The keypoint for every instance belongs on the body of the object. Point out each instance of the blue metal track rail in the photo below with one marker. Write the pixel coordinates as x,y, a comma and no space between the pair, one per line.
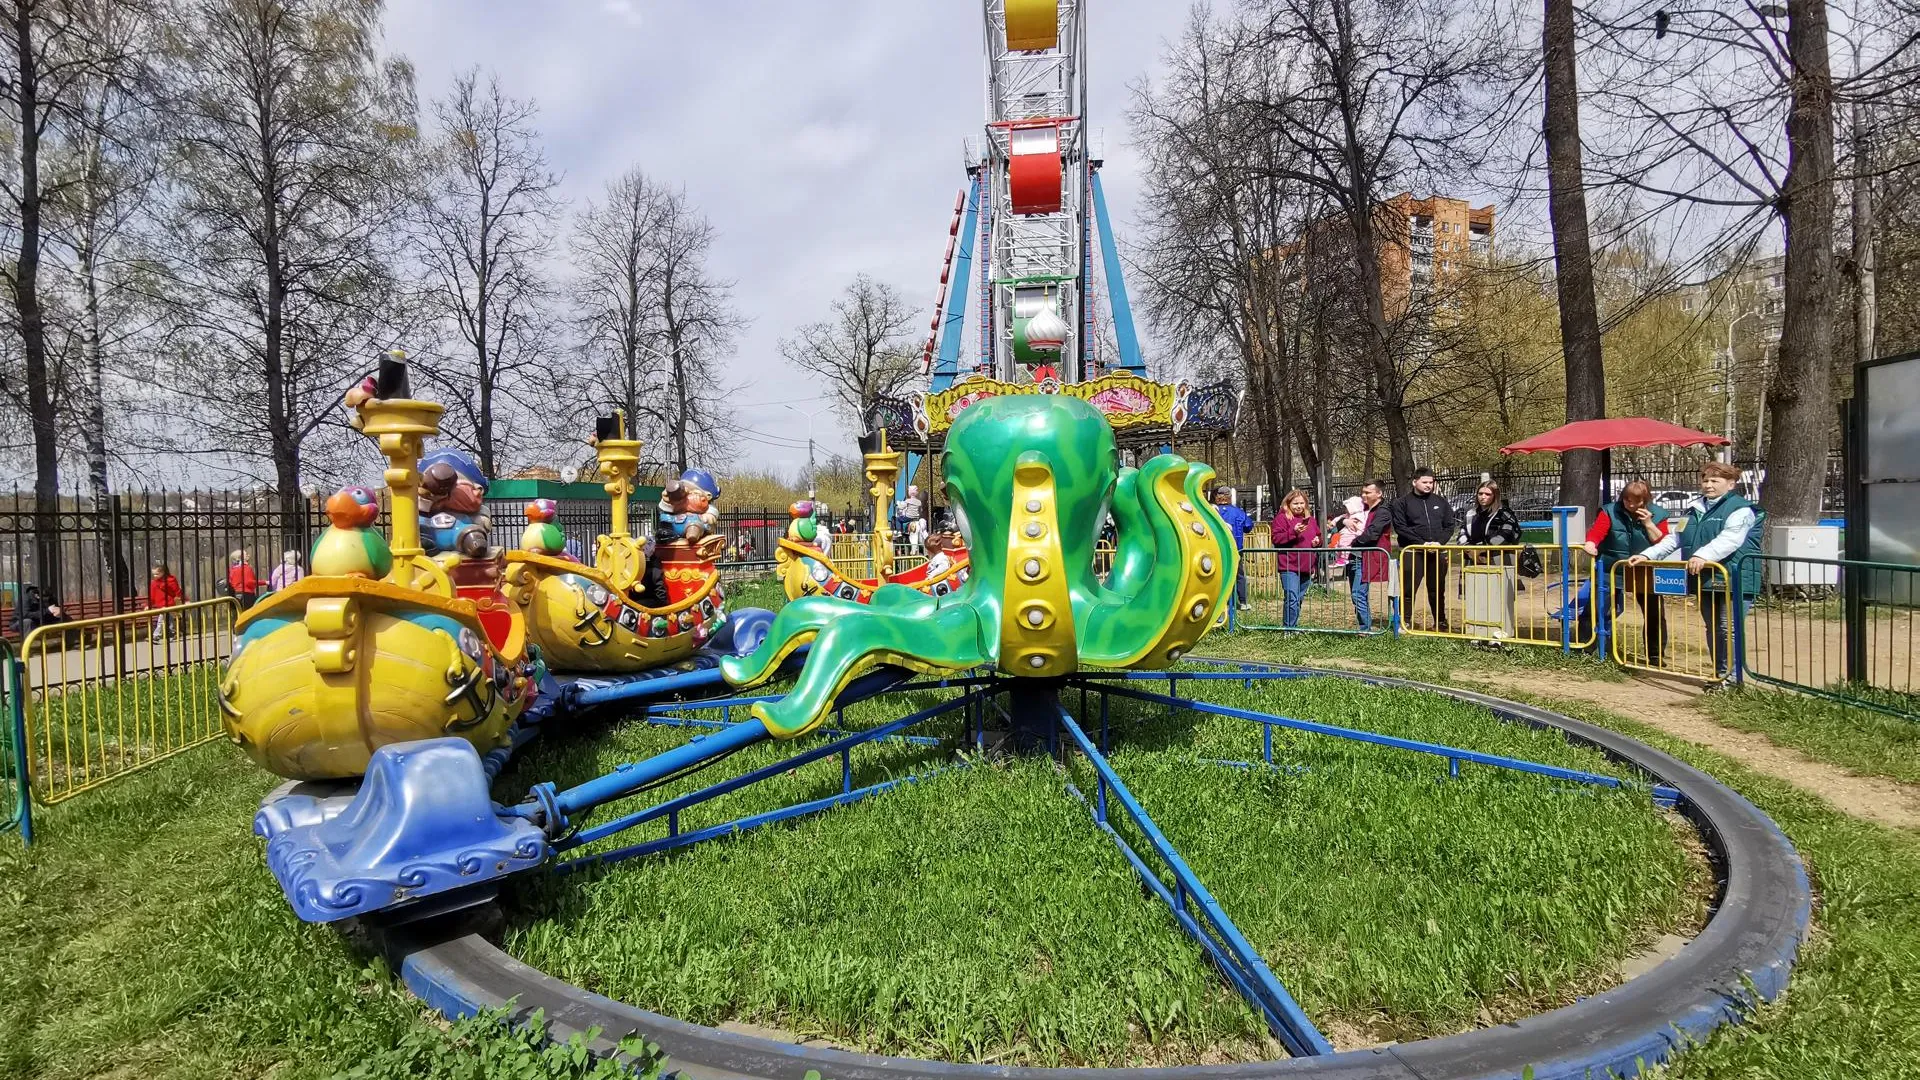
1661,794
1196,910
671,809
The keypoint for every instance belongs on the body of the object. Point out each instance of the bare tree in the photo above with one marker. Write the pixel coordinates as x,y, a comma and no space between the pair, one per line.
48,53
655,322
1222,250
1377,93
864,350
611,293
1729,111
289,134
100,216
483,235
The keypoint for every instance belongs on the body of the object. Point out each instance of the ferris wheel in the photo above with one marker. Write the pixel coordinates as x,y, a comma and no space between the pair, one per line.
1030,215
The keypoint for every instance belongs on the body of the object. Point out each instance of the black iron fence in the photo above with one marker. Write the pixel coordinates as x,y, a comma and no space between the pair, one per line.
99,557
1531,490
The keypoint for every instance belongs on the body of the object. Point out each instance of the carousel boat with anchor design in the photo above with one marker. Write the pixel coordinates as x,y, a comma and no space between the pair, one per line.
641,605
380,643
806,565
439,633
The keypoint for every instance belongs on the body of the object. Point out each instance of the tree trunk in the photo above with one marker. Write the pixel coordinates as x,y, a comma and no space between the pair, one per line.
1800,398
1386,374
680,463
94,432
26,300
483,369
1273,432
285,444
1573,255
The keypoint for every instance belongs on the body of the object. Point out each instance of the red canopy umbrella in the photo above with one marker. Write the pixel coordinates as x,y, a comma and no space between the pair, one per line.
1607,434
1604,435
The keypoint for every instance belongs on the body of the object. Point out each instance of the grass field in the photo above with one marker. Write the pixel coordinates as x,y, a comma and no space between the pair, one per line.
980,915
142,936
1862,740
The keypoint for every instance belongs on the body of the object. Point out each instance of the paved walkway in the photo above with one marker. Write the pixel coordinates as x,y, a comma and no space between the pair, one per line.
133,656
1670,706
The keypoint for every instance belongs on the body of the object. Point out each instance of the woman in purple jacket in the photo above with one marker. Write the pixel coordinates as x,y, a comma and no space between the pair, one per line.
1296,533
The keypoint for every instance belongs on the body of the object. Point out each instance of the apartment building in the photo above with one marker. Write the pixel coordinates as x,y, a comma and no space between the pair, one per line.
1428,242
1423,243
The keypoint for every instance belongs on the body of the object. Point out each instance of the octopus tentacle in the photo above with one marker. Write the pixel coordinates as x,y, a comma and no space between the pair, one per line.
1179,561
942,639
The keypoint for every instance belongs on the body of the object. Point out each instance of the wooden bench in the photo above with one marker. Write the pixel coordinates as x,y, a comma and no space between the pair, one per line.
84,609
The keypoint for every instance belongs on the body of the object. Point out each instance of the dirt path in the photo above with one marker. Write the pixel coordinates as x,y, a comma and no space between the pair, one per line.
1671,708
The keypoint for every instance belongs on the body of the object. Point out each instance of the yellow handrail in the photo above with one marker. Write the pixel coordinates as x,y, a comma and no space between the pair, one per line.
109,696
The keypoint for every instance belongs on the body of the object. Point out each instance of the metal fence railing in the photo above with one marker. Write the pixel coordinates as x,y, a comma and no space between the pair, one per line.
16,807
1520,593
1323,589
97,556
1668,620
105,697
1837,628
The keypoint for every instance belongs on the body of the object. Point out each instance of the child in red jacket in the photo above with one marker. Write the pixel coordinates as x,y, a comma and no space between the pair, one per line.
163,591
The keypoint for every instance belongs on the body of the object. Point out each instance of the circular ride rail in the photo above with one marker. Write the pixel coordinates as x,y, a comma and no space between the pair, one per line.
1760,915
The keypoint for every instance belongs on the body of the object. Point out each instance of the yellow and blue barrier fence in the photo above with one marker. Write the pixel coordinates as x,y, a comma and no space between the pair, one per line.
16,807
1528,594
1664,618
109,696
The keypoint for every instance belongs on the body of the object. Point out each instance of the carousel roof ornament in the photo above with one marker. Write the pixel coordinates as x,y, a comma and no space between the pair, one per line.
1141,412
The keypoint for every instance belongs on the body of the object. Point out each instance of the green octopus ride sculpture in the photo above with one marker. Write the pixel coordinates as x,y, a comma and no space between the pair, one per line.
1031,479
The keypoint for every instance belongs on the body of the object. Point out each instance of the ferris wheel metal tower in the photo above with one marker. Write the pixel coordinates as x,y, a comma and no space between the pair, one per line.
1036,165
1031,214
1024,236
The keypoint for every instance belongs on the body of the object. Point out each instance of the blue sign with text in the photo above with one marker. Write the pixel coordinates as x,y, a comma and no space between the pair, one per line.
1669,581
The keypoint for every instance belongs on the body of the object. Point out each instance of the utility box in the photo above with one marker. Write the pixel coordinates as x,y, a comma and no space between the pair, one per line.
1490,595
1819,545
1569,526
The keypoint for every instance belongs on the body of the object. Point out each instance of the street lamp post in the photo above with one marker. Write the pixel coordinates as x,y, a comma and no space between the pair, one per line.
812,476
1730,419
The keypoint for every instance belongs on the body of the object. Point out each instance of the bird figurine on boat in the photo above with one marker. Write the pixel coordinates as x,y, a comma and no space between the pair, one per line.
351,547
542,536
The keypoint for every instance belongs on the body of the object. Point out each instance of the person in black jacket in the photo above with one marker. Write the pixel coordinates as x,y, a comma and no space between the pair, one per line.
34,610
1367,566
1423,516
1489,521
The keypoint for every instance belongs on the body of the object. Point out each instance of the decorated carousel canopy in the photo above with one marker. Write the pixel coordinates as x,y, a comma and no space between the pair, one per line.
1142,412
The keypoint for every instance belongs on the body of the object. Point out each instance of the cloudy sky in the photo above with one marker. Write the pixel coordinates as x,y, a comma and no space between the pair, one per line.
823,140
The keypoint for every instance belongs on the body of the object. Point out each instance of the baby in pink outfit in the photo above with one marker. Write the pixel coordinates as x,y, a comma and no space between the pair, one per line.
1350,526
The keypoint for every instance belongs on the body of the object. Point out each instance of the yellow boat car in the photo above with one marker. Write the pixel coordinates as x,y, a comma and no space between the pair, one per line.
590,618
330,669
582,620
378,645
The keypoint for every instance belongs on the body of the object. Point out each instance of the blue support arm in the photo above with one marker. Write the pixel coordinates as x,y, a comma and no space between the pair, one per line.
946,366
1117,304
636,775
1228,947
